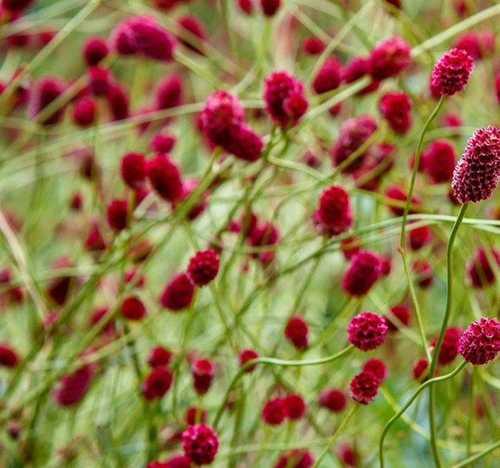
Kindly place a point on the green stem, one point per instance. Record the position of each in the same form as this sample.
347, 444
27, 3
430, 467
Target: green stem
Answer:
468, 461
409, 402
444, 324
275, 362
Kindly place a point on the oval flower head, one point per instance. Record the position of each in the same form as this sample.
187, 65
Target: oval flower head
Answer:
451, 72
477, 173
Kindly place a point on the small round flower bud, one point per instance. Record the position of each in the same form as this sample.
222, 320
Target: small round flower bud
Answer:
480, 342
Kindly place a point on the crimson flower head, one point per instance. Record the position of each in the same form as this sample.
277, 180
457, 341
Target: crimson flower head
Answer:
396, 193
419, 368
297, 332
449, 348
357, 68
285, 99
95, 241
203, 371
348, 455
117, 214
451, 72
295, 459
477, 173
163, 143
143, 35
8, 356
118, 102
367, 331
169, 92
73, 387
165, 177
377, 367
95, 50
159, 357
133, 308
438, 161
333, 400
43, 93
420, 237
244, 143
364, 387
389, 58
192, 27
295, 406
178, 294
401, 314
353, 134
334, 214
274, 411
248, 355
177, 461
396, 108
157, 383
200, 443
16, 6
221, 114
480, 269
203, 267
195, 415
246, 6
84, 111
270, 7
133, 170
362, 274
313, 45
477, 45
100, 80
480, 342
328, 77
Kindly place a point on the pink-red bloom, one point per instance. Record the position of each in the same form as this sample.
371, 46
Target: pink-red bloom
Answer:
178, 294
333, 400
396, 108
438, 161
328, 77
203, 267
389, 58
367, 331
363, 272
480, 342
334, 213
297, 332
200, 443
364, 387
451, 72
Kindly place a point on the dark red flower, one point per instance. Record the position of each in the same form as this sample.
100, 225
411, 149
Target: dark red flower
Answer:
295, 406
84, 111
95, 50
480, 270
73, 387
133, 308
200, 443
297, 332
389, 58
178, 294
480, 342
133, 170
157, 383
353, 135
192, 27
357, 68
285, 99
176, 461
348, 455
118, 102
244, 143
270, 7
295, 459
59, 287
274, 412
396, 108
333, 400
42, 94
8, 356
159, 357
248, 355
449, 348
145, 36
117, 214
16, 6
438, 161
203, 371
163, 143
95, 241
420, 368
203, 267
367, 331
165, 177
400, 315
451, 72
396, 193
169, 92
328, 77
100, 80
477, 173
334, 214
246, 6
364, 387
377, 368
313, 45
362, 274
477, 45
420, 237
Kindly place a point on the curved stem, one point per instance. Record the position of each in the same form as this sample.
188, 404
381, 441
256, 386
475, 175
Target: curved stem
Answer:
444, 324
479, 455
275, 362
409, 402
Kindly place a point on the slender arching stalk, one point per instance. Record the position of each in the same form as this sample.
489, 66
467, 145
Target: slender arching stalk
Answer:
275, 362
408, 404
444, 324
